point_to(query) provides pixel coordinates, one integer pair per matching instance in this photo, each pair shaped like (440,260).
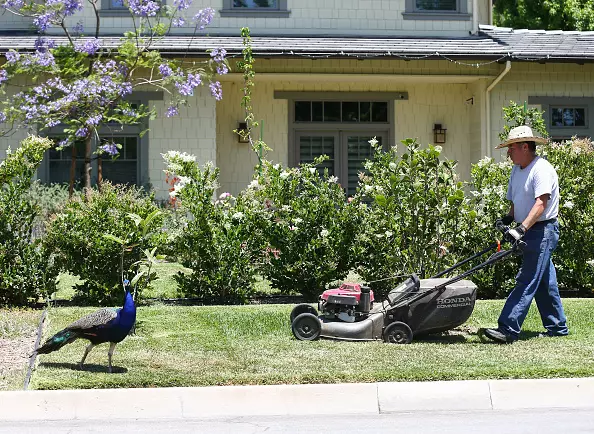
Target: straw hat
(522,133)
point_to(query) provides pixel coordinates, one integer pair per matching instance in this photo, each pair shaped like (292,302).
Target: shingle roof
(491,43)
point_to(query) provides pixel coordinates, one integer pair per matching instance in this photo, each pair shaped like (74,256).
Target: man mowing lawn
(533,189)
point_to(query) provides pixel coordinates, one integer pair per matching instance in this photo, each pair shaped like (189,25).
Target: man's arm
(537,209)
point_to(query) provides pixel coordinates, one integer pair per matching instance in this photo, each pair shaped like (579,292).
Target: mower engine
(346,303)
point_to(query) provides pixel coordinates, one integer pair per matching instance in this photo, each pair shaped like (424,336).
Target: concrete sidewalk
(315,399)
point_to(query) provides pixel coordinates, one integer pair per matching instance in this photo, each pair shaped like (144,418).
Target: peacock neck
(129,306)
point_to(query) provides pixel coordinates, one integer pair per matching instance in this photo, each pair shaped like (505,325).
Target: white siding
(330,17)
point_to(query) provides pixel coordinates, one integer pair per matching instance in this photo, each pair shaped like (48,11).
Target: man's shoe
(498,336)
(548,334)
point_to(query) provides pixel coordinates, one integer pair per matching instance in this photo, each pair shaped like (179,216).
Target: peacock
(104,325)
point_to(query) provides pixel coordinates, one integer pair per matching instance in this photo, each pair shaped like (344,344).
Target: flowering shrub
(488,190)
(214,242)
(26,268)
(414,220)
(77,235)
(574,162)
(81,85)
(304,228)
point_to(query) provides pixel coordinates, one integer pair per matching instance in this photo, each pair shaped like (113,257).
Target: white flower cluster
(184,157)
(284,174)
(324,233)
(182,181)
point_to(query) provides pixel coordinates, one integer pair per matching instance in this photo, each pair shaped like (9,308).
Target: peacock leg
(109,354)
(87,351)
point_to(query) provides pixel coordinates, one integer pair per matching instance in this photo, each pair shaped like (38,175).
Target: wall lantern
(242,133)
(439,134)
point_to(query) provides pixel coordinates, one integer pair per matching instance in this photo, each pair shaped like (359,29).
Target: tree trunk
(99,172)
(87,164)
(72,171)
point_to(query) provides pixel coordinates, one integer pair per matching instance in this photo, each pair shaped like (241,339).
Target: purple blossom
(90,46)
(182,4)
(144,8)
(165,70)
(2,117)
(178,22)
(93,121)
(204,17)
(78,28)
(42,22)
(222,69)
(110,148)
(12,56)
(3,76)
(15,4)
(52,123)
(129,112)
(187,88)
(172,111)
(216,90)
(63,143)
(81,132)
(43,44)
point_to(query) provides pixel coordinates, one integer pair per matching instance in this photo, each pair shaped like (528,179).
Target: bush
(415,218)
(77,235)
(574,161)
(304,229)
(214,241)
(50,199)
(489,187)
(27,271)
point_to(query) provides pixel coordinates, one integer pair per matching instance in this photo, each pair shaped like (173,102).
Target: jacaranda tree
(79,84)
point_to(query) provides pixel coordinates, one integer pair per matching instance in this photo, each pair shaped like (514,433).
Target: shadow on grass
(441,339)
(89,367)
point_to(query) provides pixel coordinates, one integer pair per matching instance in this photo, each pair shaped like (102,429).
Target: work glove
(515,234)
(505,220)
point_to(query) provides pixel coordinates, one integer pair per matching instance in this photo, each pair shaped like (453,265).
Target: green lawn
(198,346)
(18,330)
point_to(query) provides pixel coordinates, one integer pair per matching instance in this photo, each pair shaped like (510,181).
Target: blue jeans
(536,279)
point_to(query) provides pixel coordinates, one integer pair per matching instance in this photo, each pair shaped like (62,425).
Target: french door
(347,151)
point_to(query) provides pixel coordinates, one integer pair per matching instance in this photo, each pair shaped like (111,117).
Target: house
(330,75)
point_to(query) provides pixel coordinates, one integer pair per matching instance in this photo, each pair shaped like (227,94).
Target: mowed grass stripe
(223,345)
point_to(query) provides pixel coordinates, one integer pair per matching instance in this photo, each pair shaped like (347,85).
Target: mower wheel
(307,327)
(302,308)
(398,333)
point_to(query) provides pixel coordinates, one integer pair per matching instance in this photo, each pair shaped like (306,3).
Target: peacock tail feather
(57,341)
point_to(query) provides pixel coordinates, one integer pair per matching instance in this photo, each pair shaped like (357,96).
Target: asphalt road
(541,421)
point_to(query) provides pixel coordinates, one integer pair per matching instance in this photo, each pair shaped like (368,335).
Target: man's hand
(505,220)
(516,234)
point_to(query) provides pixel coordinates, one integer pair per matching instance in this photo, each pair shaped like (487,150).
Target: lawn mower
(416,307)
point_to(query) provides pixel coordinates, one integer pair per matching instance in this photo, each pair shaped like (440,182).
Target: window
(340,126)
(568,117)
(254,8)
(255,4)
(124,169)
(436,10)
(59,163)
(113,8)
(436,5)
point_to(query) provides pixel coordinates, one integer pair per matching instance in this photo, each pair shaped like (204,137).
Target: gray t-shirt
(525,185)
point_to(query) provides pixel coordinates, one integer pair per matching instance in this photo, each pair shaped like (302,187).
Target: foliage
(247,66)
(82,85)
(415,218)
(50,198)
(544,14)
(516,115)
(574,161)
(213,244)
(304,229)
(26,268)
(488,198)
(77,235)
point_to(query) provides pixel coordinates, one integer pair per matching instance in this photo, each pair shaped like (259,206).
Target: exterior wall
(427,104)
(526,80)
(331,17)
(192,131)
